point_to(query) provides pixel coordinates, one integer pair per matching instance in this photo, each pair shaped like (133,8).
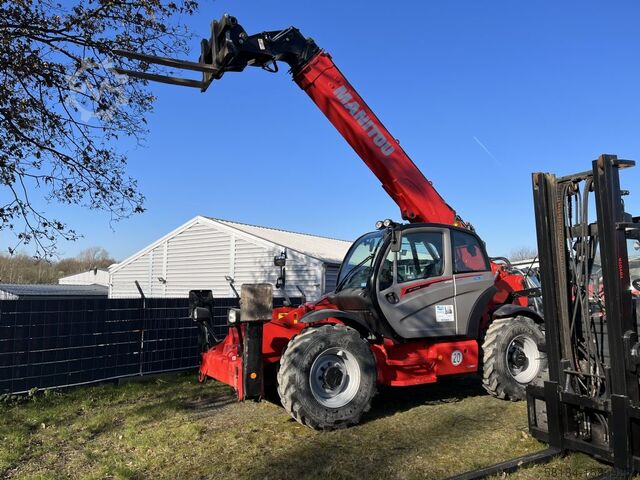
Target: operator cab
(416,280)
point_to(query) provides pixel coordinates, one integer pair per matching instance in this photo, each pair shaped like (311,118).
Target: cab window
(468,255)
(420,256)
(385,279)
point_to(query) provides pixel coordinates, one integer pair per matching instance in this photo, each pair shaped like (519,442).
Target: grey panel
(468,289)
(425,312)
(426,306)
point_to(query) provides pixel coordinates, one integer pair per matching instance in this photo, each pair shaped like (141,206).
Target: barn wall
(254,264)
(92,277)
(200,256)
(157,262)
(122,281)
(331,277)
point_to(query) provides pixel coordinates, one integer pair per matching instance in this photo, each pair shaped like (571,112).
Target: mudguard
(478,310)
(348,318)
(511,310)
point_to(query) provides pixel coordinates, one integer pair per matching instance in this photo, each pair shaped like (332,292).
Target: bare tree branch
(62,107)
(523,253)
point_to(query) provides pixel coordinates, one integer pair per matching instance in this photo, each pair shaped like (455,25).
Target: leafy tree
(62,107)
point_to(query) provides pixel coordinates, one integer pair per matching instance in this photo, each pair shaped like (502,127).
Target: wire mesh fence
(57,343)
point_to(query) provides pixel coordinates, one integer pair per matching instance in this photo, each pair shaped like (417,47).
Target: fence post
(143,325)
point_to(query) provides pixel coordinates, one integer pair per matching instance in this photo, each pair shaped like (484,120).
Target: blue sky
(480,94)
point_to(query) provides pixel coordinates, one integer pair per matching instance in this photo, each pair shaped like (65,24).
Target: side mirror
(201,314)
(396,241)
(280,260)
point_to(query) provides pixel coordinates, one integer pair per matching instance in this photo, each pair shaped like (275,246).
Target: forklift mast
(589,399)
(590,402)
(231,49)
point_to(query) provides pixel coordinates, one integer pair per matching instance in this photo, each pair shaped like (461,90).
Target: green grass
(171,427)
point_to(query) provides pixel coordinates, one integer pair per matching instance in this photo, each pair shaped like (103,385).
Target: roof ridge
(278,229)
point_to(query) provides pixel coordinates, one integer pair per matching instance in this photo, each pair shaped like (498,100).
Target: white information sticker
(444,313)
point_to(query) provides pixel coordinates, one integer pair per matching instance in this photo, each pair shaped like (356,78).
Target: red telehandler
(413,302)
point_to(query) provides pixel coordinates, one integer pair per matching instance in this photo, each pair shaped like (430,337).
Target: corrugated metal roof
(327,249)
(53,290)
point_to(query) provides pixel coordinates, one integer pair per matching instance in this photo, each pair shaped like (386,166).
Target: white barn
(95,276)
(203,251)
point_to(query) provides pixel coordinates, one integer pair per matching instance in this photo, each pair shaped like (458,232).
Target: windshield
(357,265)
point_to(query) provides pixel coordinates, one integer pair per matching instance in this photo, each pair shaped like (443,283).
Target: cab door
(474,280)
(415,287)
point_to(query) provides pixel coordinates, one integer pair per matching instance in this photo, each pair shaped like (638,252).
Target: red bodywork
(350,115)
(405,364)
(399,364)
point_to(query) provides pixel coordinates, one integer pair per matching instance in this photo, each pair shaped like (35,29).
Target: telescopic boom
(230,49)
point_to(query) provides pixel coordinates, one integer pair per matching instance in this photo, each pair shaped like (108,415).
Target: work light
(233,316)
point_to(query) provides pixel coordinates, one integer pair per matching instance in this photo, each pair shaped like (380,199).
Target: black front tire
(498,377)
(294,377)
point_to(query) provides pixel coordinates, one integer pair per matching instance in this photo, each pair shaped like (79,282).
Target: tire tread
(289,393)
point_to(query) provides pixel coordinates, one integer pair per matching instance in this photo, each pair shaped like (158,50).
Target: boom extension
(230,49)
(169,62)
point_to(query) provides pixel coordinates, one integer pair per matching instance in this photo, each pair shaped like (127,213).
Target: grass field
(171,427)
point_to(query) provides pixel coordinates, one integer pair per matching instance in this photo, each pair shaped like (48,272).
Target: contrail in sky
(484,147)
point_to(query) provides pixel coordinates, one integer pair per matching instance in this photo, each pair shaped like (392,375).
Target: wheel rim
(523,359)
(334,377)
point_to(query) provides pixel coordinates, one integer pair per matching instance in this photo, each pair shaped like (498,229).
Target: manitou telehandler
(413,302)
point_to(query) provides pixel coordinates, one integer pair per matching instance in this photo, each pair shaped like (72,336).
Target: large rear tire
(540,406)
(511,358)
(327,377)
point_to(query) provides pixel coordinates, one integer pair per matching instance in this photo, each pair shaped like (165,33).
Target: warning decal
(444,313)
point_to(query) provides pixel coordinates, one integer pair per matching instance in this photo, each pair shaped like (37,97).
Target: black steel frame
(559,414)
(618,403)
(229,49)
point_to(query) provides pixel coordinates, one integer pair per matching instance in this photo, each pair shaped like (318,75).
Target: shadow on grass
(206,403)
(432,443)
(383,447)
(392,400)
(388,402)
